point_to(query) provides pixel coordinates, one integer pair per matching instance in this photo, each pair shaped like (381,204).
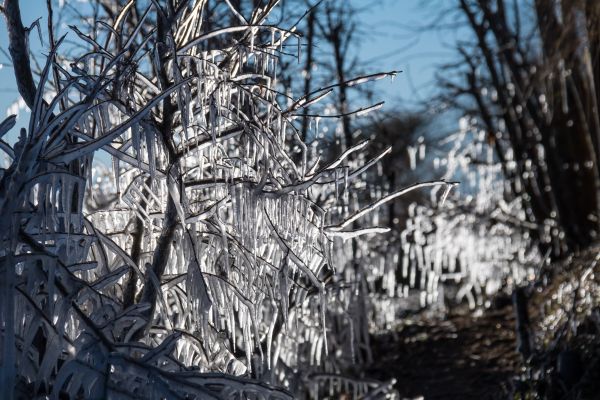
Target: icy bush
(196,265)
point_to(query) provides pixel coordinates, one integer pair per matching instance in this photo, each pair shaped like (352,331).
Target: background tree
(530,77)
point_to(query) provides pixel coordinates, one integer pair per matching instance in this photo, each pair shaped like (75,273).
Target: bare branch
(19,51)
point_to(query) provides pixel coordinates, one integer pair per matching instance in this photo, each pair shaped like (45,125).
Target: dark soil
(462,356)
(473,355)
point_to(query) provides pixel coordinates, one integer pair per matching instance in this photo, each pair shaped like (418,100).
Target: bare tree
(530,76)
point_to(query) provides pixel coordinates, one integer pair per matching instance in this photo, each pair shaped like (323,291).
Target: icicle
(421,150)
(337,183)
(90,180)
(252,38)
(272,36)
(116,175)
(447,189)
(412,156)
(323,306)
(135,138)
(151,155)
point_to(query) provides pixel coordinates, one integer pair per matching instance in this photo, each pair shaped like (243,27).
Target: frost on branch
(197,265)
(476,241)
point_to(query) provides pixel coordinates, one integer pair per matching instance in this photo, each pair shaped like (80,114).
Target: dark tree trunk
(547,99)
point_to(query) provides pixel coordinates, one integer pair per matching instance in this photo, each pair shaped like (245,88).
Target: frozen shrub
(197,265)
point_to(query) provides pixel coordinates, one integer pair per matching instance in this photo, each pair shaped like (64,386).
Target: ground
(472,354)
(459,356)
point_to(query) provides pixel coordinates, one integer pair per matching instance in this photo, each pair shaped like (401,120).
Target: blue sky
(391,40)
(396,39)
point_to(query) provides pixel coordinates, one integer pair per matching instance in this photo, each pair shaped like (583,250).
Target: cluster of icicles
(468,245)
(243,290)
(249,285)
(257,248)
